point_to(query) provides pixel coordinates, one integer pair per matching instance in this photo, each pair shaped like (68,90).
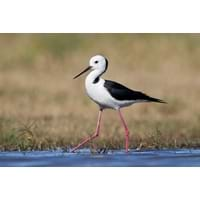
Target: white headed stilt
(109,94)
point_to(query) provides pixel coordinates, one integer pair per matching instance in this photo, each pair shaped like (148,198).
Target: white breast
(99,94)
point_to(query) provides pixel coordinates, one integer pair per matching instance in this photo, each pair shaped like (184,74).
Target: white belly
(99,94)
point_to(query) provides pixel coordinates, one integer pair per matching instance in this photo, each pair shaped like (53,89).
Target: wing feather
(122,93)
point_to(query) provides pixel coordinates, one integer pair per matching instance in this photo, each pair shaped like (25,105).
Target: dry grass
(42,107)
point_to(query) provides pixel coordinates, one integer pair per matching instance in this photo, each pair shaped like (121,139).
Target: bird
(109,95)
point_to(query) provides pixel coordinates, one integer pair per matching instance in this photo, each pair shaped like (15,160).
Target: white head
(97,62)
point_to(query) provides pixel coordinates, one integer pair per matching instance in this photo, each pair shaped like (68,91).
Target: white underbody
(99,94)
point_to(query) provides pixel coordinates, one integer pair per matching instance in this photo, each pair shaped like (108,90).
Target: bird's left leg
(96,134)
(126,130)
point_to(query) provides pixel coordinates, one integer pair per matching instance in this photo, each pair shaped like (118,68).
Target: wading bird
(109,94)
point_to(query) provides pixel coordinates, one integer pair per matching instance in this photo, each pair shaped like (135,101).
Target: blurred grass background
(42,107)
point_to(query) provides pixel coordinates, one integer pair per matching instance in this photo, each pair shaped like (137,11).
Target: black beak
(85,70)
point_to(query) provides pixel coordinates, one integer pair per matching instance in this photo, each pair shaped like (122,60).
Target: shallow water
(118,158)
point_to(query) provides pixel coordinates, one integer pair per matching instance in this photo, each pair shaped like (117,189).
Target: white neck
(94,74)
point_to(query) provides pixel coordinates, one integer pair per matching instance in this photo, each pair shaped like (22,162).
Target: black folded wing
(122,93)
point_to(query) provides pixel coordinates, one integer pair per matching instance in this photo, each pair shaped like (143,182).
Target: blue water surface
(115,158)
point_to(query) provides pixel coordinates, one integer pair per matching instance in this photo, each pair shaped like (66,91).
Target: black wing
(123,93)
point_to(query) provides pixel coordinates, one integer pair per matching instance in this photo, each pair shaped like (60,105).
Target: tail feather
(151,99)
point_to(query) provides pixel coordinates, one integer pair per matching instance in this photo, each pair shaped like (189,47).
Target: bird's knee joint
(97,134)
(127,134)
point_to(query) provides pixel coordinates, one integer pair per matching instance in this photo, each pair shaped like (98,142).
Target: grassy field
(42,107)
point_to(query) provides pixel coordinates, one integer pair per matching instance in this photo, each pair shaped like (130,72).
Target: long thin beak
(85,70)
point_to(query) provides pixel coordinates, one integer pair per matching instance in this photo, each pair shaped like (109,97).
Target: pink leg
(93,136)
(126,130)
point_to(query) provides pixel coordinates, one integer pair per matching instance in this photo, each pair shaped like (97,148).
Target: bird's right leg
(126,131)
(96,134)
